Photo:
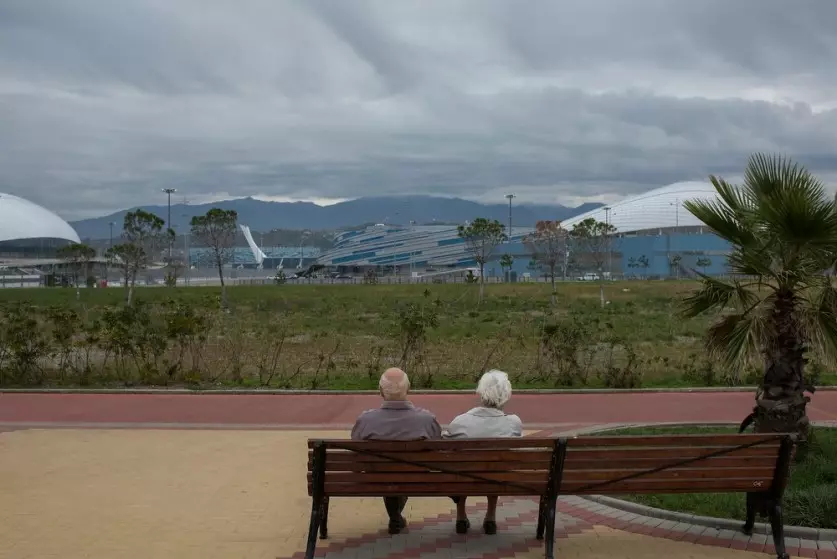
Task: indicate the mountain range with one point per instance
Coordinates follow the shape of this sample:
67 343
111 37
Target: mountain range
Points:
267 216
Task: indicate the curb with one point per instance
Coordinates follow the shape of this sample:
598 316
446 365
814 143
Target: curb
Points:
801 532
254 391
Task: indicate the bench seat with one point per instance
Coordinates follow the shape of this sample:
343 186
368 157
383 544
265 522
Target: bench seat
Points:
757 465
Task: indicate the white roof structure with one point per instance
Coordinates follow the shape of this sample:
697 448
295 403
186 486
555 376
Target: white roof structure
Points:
21 219
660 208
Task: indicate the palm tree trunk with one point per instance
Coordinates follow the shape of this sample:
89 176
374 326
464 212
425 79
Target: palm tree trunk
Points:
781 401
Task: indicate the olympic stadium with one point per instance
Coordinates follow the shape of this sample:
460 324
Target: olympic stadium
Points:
28 232
655 237
25 227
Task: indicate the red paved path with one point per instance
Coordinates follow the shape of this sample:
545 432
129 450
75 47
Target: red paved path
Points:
286 410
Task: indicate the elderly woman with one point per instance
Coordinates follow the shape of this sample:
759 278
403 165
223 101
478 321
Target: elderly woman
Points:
486 421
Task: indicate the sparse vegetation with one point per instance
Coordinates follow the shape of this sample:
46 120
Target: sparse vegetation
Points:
340 337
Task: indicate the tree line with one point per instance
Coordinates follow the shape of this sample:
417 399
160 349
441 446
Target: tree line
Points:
553 249
146 241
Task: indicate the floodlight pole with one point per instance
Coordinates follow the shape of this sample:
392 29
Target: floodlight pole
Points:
169 191
187 257
112 223
609 247
510 198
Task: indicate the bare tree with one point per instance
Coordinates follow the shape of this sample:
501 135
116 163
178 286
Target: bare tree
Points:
128 259
217 231
548 247
144 235
592 238
78 257
481 238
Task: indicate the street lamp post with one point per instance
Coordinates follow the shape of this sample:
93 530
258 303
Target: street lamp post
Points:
413 253
510 197
302 238
187 257
676 205
676 213
169 191
609 248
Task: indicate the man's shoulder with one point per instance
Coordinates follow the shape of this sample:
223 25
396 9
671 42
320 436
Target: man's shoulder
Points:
427 413
368 414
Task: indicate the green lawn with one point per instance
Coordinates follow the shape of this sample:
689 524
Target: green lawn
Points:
342 336
810 499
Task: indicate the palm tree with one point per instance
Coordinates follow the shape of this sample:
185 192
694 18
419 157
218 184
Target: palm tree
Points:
781 304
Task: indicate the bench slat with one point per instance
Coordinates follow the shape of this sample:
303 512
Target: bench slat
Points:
730 485
651 463
433 477
671 454
445 444
436 490
446 456
704 441
384 467
682 473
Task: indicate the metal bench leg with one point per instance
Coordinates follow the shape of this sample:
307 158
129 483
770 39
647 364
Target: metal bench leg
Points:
778 527
541 518
324 520
316 509
550 529
752 506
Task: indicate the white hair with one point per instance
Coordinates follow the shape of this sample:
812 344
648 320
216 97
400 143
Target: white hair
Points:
394 384
494 389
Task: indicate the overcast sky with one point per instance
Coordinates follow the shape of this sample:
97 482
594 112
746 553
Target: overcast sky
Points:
103 103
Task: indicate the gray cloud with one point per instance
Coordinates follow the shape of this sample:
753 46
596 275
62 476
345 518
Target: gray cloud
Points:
104 103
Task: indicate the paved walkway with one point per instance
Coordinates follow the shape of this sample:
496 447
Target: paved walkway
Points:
226 480
299 411
183 494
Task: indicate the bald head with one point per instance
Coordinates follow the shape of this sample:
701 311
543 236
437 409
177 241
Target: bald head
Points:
394 384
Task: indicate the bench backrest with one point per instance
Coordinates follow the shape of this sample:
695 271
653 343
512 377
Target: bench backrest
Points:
711 463
433 468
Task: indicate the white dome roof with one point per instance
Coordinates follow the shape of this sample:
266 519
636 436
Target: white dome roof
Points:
21 219
655 209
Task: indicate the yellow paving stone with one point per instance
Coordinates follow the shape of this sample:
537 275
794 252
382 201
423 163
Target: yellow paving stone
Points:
146 494
159 494
606 543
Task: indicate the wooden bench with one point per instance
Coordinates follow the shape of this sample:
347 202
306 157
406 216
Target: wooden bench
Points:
618 465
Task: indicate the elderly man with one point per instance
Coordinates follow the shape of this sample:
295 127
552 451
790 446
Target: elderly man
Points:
396 420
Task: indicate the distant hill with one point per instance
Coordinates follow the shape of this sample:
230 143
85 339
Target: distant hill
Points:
266 216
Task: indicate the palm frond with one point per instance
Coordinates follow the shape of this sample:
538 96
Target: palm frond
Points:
819 319
737 338
716 294
755 261
728 216
792 206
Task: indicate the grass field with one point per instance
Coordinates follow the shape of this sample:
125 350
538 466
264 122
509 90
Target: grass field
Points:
810 499
341 337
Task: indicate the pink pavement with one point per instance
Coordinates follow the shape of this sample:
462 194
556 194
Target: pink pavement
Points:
340 410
